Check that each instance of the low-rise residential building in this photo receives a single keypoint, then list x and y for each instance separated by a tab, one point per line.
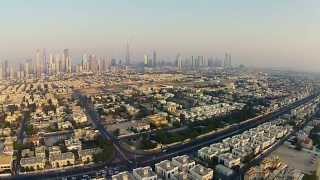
40	151
231	151
5	162
61	160
263	141
144	173
78	116
12	118
35	163
86	155
141	126
54	150
256	148
8	148
208	154
158	120
73	144
65	125
181	176
27	153
242	152
166	169
86	133
199	172
123	176
5	132
184	163
229	160
222	148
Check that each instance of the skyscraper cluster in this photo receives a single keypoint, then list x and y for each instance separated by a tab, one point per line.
91	63
61	63
52	64
55	64
4	69
201	62
188	63
41	65
13	71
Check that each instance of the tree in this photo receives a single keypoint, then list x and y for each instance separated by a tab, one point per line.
176	124
147	144
27	169
18	146
298	146
30	130
107	152
31	168
32	107
68	163
116	132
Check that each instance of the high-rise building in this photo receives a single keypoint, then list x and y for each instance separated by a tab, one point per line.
85	63
28	67
50	67
58	63
146	60
114	62
66	61
217	63
227	61
179	62
193	62
38	63
104	64
44	63
101	64
201	61
196	62
6	69
11	72
20	71
93	63
210	62
120	63
154	59
127	58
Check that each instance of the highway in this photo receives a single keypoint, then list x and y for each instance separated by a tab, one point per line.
192	147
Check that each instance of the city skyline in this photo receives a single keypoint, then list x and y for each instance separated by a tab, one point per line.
263	34
46	63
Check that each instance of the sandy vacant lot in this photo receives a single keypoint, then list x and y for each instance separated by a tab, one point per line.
300	160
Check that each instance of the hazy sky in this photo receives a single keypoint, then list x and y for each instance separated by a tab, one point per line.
275	33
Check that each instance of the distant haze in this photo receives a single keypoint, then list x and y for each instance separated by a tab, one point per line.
273	33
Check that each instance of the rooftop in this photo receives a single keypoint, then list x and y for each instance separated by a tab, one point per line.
144	172
201	170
